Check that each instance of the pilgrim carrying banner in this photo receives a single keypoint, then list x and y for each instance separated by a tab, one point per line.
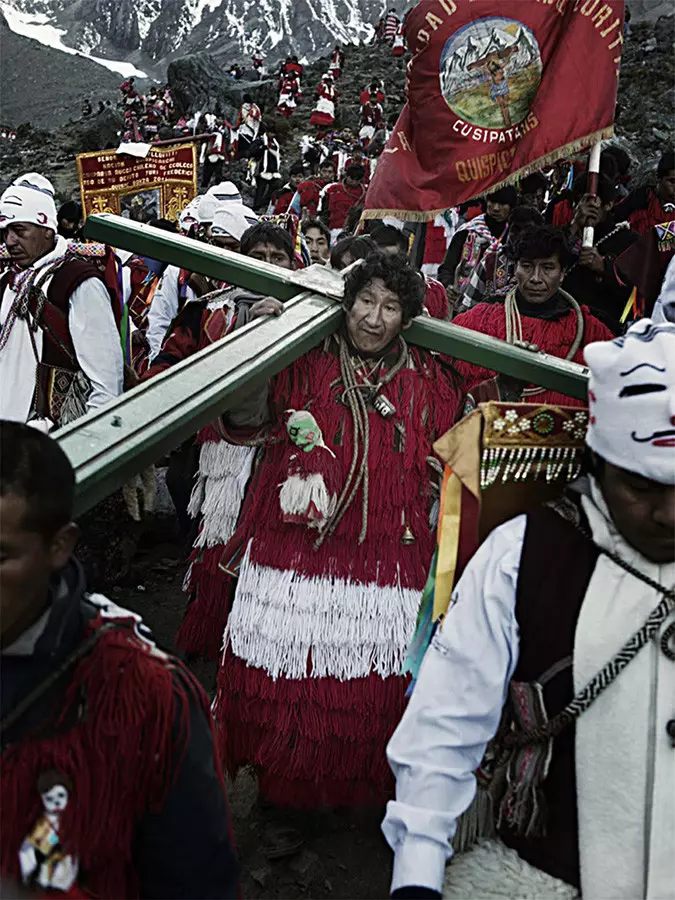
157	186
495	91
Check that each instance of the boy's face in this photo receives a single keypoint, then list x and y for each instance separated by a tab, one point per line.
28	560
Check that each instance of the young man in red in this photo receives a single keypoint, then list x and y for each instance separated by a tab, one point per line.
359	158
536	313
110	785
649	206
283	196
309	191
337	199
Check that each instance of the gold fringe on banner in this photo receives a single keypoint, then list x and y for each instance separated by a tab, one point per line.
582	143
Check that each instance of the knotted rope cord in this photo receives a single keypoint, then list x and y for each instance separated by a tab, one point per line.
354	478
358	472
514	328
29	285
610	672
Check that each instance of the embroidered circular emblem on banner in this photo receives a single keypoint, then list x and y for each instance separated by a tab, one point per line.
490	72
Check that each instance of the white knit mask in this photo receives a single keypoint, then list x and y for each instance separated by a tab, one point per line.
631	394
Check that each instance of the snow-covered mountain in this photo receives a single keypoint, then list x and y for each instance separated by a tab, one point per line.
147	32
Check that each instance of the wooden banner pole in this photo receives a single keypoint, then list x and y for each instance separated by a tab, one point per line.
592	188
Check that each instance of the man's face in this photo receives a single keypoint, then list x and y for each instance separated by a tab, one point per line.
515	231
317	245
539	279
642	510
534	200
27	562
294	181
666	187
226	242
498	211
352	182
28	243
326	173
375	319
270	254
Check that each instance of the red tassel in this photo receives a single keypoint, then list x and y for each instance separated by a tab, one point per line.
201	631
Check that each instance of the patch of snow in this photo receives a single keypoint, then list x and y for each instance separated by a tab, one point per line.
37	27
146	13
204	6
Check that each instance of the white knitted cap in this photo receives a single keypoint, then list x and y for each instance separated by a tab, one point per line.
631	396
20	204
209	203
230	221
206	209
226	190
36	181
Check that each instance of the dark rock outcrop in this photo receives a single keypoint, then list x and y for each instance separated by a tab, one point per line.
97	132
199	84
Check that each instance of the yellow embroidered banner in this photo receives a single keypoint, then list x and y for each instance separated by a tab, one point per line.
158	186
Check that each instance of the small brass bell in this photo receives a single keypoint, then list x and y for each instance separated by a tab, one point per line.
408	537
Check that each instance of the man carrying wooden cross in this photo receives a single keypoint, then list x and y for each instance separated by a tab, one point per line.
331	550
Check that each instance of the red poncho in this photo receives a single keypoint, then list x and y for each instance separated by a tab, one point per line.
554	336
338	199
653	214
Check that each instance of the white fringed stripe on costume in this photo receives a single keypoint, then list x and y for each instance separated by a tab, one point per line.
492	871
224	471
279	618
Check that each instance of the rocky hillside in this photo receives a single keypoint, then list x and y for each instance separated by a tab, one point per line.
44	86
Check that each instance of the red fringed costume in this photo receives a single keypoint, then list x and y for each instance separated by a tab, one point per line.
113	742
436	300
323	113
308	689
551	335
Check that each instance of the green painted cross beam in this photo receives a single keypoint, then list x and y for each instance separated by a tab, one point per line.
108	446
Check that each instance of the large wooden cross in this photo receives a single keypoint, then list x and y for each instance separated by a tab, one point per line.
108	446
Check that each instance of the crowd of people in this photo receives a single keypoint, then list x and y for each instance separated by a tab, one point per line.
144	114
309	515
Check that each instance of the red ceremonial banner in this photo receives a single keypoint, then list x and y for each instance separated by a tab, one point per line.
495	91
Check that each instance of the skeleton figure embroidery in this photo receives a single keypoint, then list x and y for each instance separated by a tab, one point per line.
43	862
